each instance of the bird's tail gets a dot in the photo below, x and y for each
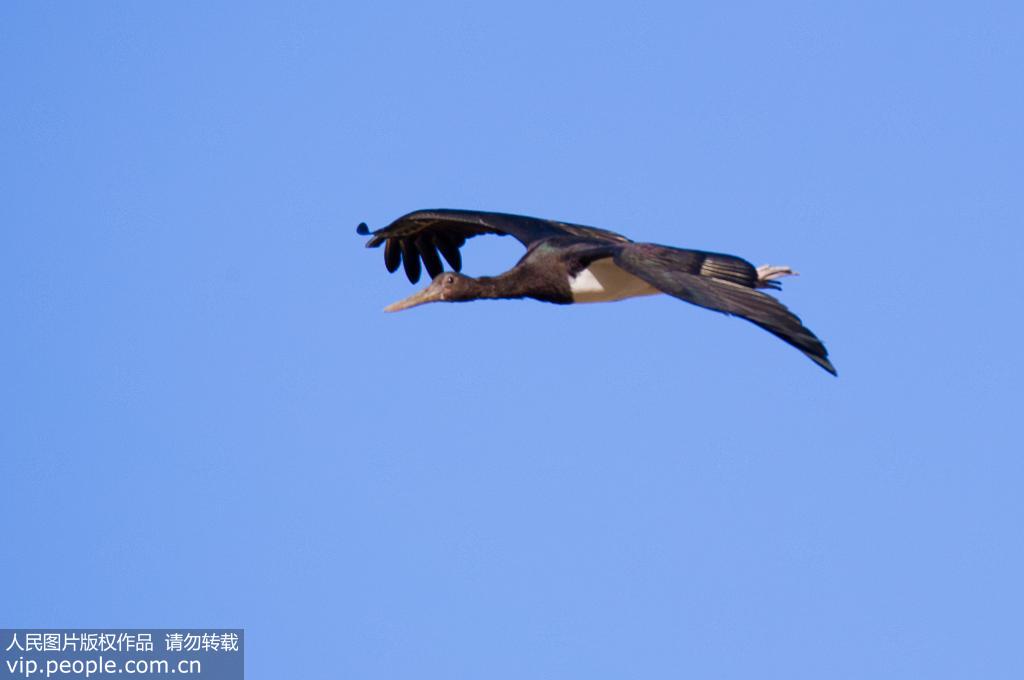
(768, 273)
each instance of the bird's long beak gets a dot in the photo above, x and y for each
(426, 295)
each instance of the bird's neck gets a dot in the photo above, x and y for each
(505, 286)
(516, 284)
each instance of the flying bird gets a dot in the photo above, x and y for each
(571, 263)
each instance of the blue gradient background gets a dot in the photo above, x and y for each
(207, 420)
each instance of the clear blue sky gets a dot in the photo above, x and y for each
(208, 420)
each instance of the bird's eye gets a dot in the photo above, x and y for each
(449, 279)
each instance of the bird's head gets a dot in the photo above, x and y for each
(446, 287)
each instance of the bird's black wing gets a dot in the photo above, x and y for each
(421, 235)
(722, 283)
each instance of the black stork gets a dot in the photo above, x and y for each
(570, 263)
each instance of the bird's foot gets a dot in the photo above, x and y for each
(768, 273)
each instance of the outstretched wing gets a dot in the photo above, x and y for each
(723, 283)
(421, 235)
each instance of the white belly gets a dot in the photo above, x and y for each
(602, 281)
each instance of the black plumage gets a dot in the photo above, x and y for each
(566, 263)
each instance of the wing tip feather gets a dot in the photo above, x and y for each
(824, 363)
